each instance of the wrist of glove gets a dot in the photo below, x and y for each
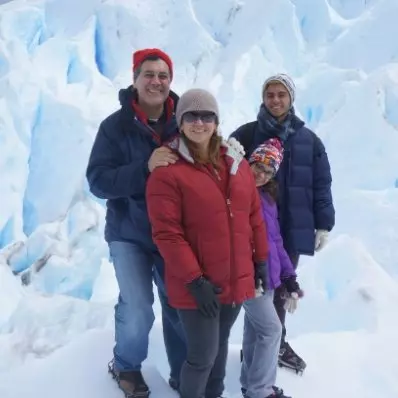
(205, 296)
(292, 286)
(261, 275)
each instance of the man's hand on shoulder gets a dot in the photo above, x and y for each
(161, 157)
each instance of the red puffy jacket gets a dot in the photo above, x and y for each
(200, 230)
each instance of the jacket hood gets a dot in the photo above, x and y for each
(179, 145)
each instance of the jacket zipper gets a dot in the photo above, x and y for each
(230, 216)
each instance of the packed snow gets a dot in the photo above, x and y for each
(61, 65)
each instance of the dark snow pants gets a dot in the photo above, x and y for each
(279, 301)
(203, 373)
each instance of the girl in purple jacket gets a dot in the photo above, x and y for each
(262, 327)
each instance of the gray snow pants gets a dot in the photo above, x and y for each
(261, 342)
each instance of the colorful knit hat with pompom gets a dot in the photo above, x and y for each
(269, 153)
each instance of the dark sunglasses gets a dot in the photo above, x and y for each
(205, 117)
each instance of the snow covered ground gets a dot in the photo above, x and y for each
(61, 64)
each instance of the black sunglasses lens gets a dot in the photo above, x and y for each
(191, 117)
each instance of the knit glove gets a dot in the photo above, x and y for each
(321, 239)
(291, 303)
(293, 294)
(236, 145)
(205, 295)
(261, 275)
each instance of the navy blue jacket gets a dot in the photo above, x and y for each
(305, 199)
(118, 170)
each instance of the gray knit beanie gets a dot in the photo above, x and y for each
(196, 100)
(286, 81)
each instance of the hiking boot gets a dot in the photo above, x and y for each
(173, 383)
(132, 383)
(278, 392)
(289, 359)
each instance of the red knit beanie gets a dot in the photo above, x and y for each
(141, 55)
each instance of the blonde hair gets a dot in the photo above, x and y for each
(213, 154)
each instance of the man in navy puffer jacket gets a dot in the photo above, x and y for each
(305, 204)
(126, 149)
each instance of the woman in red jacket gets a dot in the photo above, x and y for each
(207, 223)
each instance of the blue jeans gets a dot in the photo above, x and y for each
(135, 269)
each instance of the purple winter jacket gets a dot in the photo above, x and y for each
(280, 266)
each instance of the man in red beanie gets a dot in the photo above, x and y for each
(126, 150)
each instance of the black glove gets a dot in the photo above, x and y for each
(205, 295)
(261, 275)
(292, 286)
